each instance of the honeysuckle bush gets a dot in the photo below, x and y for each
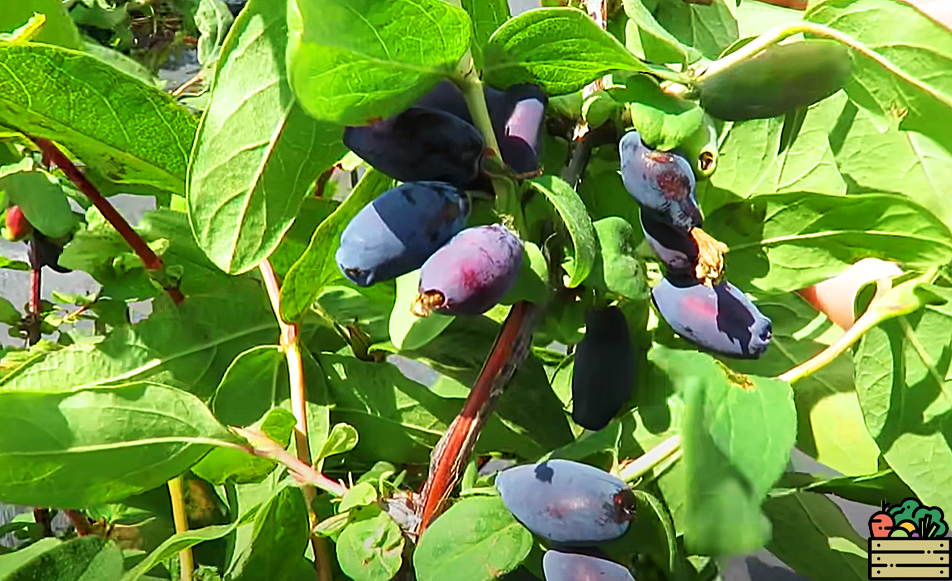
(200, 408)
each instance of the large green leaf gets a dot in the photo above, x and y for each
(812, 535)
(487, 16)
(869, 489)
(578, 223)
(477, 539)
(902, 378)
(97, 445)
(903, 90)
(279, 538)
(351, 61)
(257, 152)
(904, 162)
(129, 132)
(43, 201)
(58, 28)
(656, 43)
(709, 29)
(830, 425)
(783, 242)
(88, 558)
(737, 435)
(316, 268)
(559, 49)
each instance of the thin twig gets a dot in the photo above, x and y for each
(198, 78)
(36, 305)
(149, 258)
(180, 518)
(647, 462)
(292, 350)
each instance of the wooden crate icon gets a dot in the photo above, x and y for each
(909, 558)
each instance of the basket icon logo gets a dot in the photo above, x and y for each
(908, 541)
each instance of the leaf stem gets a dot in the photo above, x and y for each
(777, 34)
(180, 518)
(648, 461)
(292, 351)
(149, 258)
(880, 310)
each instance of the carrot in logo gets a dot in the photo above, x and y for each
(908, 541)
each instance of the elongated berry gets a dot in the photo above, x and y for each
(565, 566)
(604, 369)
(567, 502)
(397, 232)
(471, 273)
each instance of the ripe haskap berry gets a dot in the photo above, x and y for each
(660, 181)
(563, 566)
(17, 226)
(47, 253)
(720, 319)
(568, 503)
(517, 116)
(604, 369)
(471, 273)
(420, 145)
(397, 232)
(676, 250)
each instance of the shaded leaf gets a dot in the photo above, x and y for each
(279, 538)
(572, 211)
(58, 28)
(88, 558)
(709, 29)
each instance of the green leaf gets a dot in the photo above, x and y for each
(88, 558)
(657, 43)
(532, 284)
(401, 48)
(10, 562)
(737, 435)
(342, 439)
(904, 162)
(257, 152)
(784, 242)
(603, 191)
(181, 541)
(477, 539)
(904, 89)
(709, 29)
(869, 489)
(124, 439)
(371, 547)
(618, 269)
(575, 217)
(487, 16)
(317, 268)
(408, 331)
(812, 535)
(43, 201)
(313, 212)
(8, 313)
(559, 49)
(213, 19)
(361, 494)
(663, 121)
(58, 28)
(279, 538)
(653, 532)
(830, 426)
(225, 465)
(901, 379)
(130, 132)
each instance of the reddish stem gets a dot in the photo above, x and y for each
(42, 518)
(80, 523)
(149, 258)
(452, 452)
(33, 328)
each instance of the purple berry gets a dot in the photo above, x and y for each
(661, 181)
(676, 250)
(397, 232)
(720, 319)
(420, 145)
(567, 502)
(562, 566)
(604, 369)
(471, 273)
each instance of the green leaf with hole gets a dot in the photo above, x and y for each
(477, 539)
(577, 221)
(559, 49)
(130, 133)
(317, 267)
(257, 152)
(408, 331)
(371, 547)
(351, 61)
